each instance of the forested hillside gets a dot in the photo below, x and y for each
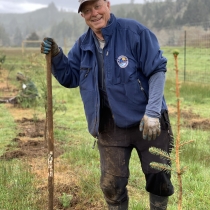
(68, 26)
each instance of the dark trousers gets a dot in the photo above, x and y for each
(115, 146)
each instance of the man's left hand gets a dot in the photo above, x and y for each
(150, 127)
(49, 44)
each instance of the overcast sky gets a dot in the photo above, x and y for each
(22, 6)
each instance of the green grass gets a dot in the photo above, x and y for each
(17, 189)
(193, 96)
(70, 130)
(7, 129)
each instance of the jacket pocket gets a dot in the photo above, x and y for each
(86, 78)
(134, 93)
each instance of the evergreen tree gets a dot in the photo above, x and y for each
(62, 31)
(194, 12)
(17, 40)
(33, 37)
(4, 37)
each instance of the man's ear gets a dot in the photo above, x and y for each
(108, 4)
(82, 15)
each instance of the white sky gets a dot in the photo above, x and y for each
(22, 6)
(11, 7)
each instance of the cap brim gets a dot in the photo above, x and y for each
(80, 6)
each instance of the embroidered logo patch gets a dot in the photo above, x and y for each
(122, 61)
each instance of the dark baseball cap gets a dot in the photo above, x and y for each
(81, 2)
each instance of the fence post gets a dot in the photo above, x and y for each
(23, 47)
(185, 53)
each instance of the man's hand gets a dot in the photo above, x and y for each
(47, 45)
(150, 127)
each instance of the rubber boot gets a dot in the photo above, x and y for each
(123, 206)
(158, 202)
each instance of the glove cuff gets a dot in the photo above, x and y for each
(55, 52)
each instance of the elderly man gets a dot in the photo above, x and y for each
(120, 70)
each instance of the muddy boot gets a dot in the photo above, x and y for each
(158, 202)
(123, 206)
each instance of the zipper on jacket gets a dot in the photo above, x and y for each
(87, 71)
(142, 89)
(97, 110)
(107, 53)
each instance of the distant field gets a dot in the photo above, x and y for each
(194, 64)
(194, 67)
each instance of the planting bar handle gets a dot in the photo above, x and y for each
(50, 140)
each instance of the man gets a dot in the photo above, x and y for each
(120, 70)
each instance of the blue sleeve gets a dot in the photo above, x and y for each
(156, 88)
(67, 69)
(150, 58)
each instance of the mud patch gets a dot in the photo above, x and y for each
(28, 149)
(30, 142)
(13, 154)
(202, 124)
(32, 128)
(185, 114)
(68, 192)
(191, 120)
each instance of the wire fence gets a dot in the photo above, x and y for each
(193, 43)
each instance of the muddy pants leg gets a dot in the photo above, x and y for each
(115, 192)
(114, 175)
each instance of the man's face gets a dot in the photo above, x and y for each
(96, 14)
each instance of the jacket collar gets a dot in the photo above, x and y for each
(108, 30)
(88, 41)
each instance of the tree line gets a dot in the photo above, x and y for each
(62, 25)
(169, 13)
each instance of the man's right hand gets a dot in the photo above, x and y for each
(150, 127)
(47, 45)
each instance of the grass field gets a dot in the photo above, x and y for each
(77, 168)
(194, 64)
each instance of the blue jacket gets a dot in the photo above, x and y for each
(131, 57)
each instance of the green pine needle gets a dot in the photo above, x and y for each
(161, 153)
(161, 167)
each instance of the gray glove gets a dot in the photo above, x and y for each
(150, 127)
(47, 45)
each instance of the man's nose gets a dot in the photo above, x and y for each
(94, 12)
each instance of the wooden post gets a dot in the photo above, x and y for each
(177, 147)
(22, 47)
(50, 133)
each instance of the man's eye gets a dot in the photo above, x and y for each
(98, 6)
(87, 11)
